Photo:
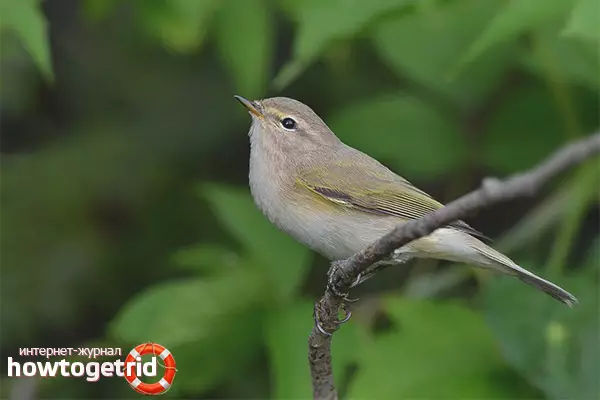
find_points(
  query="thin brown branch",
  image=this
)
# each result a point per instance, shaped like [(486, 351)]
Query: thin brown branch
[(345, 272)]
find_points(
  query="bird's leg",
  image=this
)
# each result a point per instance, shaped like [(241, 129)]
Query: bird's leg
[(369, 272), (317, 317), (380, 266), (332, 283), (333, 286), (318, 321)]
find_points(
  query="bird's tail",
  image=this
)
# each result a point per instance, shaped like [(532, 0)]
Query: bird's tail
[(506, 265)]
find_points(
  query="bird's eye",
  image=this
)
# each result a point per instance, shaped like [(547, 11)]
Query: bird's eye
[(288, 123)]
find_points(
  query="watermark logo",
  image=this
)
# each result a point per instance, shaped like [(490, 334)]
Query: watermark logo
[(132, 369), (135, 357)]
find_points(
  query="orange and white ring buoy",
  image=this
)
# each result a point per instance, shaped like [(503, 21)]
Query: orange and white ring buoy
[(164, 383)]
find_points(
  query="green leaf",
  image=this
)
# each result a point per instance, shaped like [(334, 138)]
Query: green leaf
[(320, 23), (97, 10), (25, 18), (203, 365), (18, 83), (287, 332), (180, 24), (537, 221), (593, 253), (524, 131), (292, 8), (405, 43), (584, 21), (404, 131), (517, 18), (574, 60), (435, 350), (207, 258), (584, 195), (286, 335), (573, 196), (284, 260), (180, 312), (556, 348), (245, 43)]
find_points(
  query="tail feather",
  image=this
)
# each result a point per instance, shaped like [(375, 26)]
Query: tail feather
[(506, 265), (550, 288)]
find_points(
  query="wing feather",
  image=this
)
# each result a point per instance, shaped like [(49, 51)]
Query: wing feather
[(384, 193)]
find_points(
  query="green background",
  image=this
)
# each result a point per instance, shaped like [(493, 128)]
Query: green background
[(126, 215)]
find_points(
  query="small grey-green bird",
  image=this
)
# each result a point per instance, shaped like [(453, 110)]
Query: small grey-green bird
[(337, 200)]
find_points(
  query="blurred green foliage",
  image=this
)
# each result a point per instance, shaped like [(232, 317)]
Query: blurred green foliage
[(126, 216)]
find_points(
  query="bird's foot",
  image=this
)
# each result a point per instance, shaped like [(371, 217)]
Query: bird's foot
[(347, 300), (319, 325), (333, 284), (378, 267), (369, 273)]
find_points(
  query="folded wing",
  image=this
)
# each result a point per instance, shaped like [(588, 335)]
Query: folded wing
[(380, 193)]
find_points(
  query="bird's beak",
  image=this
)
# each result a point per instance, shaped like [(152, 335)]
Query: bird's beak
[(252, 106)]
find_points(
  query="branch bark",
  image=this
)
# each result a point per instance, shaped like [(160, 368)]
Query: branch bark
[(345, 272)]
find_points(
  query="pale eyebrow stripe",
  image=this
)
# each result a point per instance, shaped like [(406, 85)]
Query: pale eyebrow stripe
[(280, 116)]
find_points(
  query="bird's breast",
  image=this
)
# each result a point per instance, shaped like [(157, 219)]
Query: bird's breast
[(328, 228)]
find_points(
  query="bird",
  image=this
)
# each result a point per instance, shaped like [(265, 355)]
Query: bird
[(337, 200)]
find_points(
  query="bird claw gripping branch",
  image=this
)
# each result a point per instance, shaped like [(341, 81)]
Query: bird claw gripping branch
[(333, 284), (317, 317), (333, 287)]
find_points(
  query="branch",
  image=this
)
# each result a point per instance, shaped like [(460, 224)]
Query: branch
[(345, 272)]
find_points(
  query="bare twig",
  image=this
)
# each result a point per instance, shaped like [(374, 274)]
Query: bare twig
[(345, 272)]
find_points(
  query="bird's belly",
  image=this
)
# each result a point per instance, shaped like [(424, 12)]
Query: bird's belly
[(338, 237), (335, 236), (327, 228)]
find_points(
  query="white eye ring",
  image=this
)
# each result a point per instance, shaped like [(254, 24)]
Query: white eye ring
[(288, 124)]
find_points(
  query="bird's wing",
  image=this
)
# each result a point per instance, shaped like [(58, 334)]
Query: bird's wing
[(380, 193)]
